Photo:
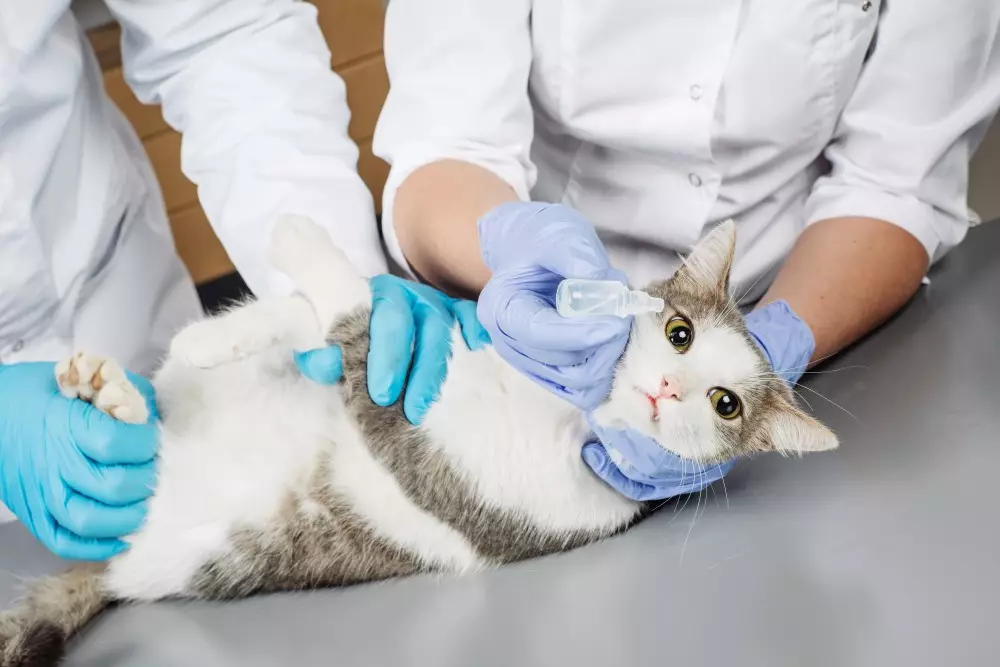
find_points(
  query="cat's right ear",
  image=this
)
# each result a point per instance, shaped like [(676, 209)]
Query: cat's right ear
[(707, 268)]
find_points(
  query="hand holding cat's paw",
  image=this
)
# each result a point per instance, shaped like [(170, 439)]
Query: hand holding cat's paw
[(103, 383)]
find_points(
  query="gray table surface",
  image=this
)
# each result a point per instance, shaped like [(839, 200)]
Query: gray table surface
[(882, 553)]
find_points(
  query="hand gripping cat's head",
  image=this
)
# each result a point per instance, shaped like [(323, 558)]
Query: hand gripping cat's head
[(693, 379)]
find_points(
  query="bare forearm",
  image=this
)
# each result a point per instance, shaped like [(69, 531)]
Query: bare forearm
[(846, 276), (435, 215)]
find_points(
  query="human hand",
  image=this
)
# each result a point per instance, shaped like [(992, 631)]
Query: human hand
[(74, 476), (410, 336), (637, 467), (640, 469), (785, 339), (530, 247)]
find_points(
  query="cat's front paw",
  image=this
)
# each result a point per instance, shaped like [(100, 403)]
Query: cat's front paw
[(218, 341)]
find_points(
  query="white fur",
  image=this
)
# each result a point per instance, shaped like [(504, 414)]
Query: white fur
[(718, 357), (243, 431), (241, 436), (377, 497), (519, 445)]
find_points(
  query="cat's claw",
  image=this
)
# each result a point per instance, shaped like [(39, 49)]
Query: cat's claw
[(103, 383)]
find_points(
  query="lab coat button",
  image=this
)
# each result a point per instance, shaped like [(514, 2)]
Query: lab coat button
[(695, 92), (18, 346), (695, 180)]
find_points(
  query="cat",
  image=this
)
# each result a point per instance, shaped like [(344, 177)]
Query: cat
[(270, 482)]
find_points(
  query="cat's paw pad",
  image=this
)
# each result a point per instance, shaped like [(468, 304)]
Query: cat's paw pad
[(294, 240), (104, 384), (218, 341)]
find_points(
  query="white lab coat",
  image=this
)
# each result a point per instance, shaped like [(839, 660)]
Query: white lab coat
[(86, 254), (656, 119)]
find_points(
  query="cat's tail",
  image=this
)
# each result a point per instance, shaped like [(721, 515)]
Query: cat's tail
[(320, 271), (34, 634)]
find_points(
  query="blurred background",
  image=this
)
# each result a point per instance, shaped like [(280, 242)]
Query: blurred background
[(353, 28)]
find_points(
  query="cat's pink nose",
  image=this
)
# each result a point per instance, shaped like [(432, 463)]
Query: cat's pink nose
[(671, 388)]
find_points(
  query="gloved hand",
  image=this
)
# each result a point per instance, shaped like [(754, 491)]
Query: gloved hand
[(640, 469), (785, 339), (409, 322), (74, 476), (637, 467), (530, 247)]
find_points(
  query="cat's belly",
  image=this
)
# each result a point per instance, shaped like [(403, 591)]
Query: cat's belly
[(237, 443), (519, 446)]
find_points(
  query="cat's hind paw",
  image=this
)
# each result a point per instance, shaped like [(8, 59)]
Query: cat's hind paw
[(104, 384)]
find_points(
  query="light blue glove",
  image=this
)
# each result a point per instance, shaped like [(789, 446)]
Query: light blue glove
[(409, 322), (530, 247), (785, 339), (637, 467), (74, 476)]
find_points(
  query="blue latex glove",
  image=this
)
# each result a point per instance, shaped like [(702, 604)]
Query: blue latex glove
[(637, 467), (410, 322), (786, 340), (74, 476), (530, 247)]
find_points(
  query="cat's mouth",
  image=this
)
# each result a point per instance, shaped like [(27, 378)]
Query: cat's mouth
[(653, 401)]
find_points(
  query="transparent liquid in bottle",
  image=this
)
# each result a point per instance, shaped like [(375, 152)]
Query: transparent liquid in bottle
[(576, 297)]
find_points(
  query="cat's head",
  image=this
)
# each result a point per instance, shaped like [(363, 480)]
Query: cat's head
[(693, 379)]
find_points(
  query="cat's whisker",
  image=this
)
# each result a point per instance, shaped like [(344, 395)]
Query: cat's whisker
[(832, 402), (803, 398)]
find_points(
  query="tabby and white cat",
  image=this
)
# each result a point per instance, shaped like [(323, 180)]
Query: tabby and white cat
[(270, 482)]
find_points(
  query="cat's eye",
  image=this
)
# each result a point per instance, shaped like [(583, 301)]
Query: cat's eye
[(727, 404), (679, 333)]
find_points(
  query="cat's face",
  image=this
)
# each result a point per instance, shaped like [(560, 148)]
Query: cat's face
[(693, 379)]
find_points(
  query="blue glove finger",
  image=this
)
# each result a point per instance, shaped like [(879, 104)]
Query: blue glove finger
[(109, 485), (600, 363), (88, 519), (71, 547), (524, 317), (431, 351), (392, 331), (109, 441), (145, 388), (551, 236), (595, 456), (475, 334), (323, 365)]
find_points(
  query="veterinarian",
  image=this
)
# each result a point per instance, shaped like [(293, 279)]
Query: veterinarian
[(837, 133), (87, 260)]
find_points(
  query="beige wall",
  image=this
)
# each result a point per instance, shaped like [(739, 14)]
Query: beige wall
[(984, 188)]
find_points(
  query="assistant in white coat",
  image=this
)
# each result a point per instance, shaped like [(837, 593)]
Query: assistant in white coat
[(87, 260)]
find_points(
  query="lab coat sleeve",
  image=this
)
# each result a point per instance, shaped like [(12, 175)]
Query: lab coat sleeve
[(924, 100), (263, 118), (458, 73)]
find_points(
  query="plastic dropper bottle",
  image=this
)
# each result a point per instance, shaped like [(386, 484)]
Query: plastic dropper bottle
[(576, 297)]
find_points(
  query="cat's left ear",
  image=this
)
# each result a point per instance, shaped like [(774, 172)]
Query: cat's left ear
[(790, 430), (707, 268)]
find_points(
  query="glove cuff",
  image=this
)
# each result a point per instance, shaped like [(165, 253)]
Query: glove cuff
[(786, 340)]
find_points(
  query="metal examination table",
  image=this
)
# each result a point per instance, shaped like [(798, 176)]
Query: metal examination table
[(883, 553)]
